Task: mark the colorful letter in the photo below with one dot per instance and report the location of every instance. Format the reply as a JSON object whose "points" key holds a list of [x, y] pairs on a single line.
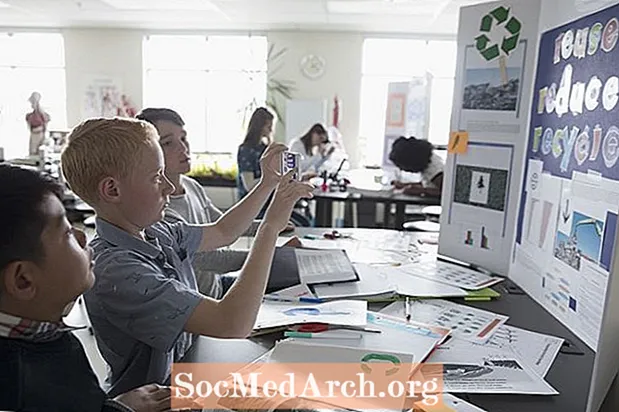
{"points": [[580, 44], [560, 134], [597, 141], [609, 35], [595, 34], [592, 94], [582, 147], [568, 146], [537, 133]]}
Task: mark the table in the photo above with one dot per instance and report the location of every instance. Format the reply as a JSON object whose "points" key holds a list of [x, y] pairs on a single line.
{"points": [[570, 374], [324, 203]]}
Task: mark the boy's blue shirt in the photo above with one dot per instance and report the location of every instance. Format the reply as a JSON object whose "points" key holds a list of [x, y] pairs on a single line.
{"points": [[144, 293]]}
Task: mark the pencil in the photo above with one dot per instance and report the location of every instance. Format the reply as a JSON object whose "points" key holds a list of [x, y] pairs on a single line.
{"points": [[407, 309]]}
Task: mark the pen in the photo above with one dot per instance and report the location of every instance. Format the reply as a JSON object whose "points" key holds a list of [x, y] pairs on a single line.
{"points": [[407, 309], [357, 328], [323, 335], [292, 299]]}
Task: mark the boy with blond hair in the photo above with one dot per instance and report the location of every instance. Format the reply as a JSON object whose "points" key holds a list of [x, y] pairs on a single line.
{"points": [[145, 306], [44, 266]]}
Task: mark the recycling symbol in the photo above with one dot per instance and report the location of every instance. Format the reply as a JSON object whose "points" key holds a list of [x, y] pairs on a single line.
{"points": [[498, 17]]}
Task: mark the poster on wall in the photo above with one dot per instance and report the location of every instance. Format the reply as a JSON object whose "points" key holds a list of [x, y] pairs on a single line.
{"points": [[570, 192], [101, 96], [407, 113], [496, 60]]}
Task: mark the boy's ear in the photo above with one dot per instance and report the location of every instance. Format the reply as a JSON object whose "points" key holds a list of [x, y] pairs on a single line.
{"points": [[18, 280], [109, 190]]}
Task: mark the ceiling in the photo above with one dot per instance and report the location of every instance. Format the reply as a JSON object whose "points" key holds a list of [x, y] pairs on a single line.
{"points": [[388, 16]]}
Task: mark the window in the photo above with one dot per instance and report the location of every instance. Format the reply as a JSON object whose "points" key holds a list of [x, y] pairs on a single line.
{"points": [[398, 60], [30, 62], [212, 82]]}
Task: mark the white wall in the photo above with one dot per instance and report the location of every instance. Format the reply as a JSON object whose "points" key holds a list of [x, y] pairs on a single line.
{"points": [[342, 77], [114, 53], [118, 53]]}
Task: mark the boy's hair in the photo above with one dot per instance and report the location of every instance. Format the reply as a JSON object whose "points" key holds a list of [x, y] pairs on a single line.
{"points": [[22, 218], [153, 115], [411, 154], [98, 148]]}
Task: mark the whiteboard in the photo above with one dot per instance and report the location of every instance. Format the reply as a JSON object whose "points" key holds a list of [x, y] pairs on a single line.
{"points": [[302, 114]]}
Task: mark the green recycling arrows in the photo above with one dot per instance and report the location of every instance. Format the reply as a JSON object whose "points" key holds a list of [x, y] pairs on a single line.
{"points": [[498, 17]]}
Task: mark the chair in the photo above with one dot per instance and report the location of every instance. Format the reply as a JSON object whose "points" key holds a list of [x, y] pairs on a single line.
{"points": [[432, 215]]}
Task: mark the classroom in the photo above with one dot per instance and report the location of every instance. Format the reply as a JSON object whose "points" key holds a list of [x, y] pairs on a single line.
{"points": [[309, 205]]}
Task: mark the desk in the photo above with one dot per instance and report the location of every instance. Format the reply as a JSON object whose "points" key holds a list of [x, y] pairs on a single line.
{"points": [[570, 374], [324, 203]]}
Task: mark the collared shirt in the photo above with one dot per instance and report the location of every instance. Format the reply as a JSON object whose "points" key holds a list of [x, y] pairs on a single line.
{"points": [[31, 354], [31, 330], [144, 293]]}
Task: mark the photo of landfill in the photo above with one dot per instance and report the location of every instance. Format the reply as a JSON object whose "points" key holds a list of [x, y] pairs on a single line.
{"points": [[492, 85]]}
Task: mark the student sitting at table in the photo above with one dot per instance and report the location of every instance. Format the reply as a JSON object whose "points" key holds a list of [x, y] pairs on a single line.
{"points": [[315, 150], [145, 306], [44, 267], [257, 138], [189, 203], [417, 156]]}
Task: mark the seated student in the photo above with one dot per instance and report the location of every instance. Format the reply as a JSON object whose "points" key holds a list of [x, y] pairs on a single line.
{"points": [[145, 307], [44, 267], [417, 156], [257, 138], [190, 204], [315, 150]]}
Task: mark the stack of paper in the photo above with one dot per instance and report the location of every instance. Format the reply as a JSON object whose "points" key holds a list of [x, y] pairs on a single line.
{"points": [[343, 312], [397, 336], [483, 354]]}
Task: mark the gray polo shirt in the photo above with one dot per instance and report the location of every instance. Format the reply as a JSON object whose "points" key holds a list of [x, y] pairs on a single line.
{"points": [[144, 293]]}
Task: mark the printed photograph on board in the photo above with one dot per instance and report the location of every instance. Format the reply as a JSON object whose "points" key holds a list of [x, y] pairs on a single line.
{"points": [[584, 241], [480, 186], [493, 85]]}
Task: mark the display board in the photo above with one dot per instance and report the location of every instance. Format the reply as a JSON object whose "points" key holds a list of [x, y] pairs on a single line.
{"points": [[407, 112], [570, 200], [564, 255], [497, 44]]}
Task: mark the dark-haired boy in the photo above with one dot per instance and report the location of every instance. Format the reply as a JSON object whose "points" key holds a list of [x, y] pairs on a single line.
{"points": [[44, 267]]}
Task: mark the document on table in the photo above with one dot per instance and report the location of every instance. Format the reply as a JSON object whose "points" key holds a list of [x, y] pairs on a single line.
{"points": [[470, 368], [537, 350], [342, 312], [324, 266], [452, 274], [465, 322]]}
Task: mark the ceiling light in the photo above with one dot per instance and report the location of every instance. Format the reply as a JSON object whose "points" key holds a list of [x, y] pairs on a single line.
{"points": [[176, 5], [420, 7]]}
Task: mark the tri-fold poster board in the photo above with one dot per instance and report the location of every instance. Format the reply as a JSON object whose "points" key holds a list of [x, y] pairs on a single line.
{"points": [[536, 194]]}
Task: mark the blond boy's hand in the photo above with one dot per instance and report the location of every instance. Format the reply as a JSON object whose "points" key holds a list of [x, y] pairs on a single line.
{"points": [[149, 398], [270, 163], [288, 192]]}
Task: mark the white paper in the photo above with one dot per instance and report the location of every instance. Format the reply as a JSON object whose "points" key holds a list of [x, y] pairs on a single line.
{"points": [[372, 282], [451, 274], [398, 336], [416, 286], [469, 368], [480, 182], [343, 312], [537, 350], [465, 322]]}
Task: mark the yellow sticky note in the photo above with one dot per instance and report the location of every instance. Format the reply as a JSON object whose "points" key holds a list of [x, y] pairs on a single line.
{"points": [[458, 142]]}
